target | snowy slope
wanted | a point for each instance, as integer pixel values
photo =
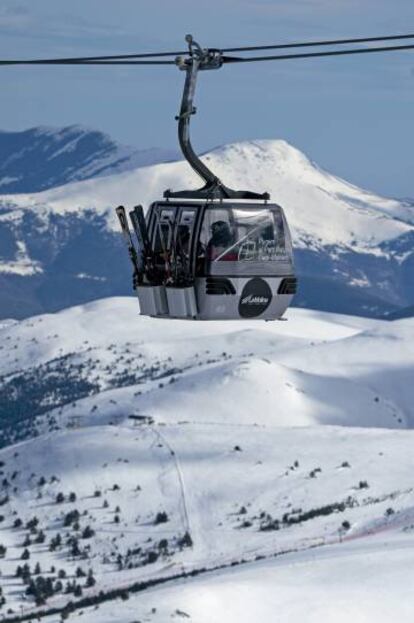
(367, 582)
(379, 357)
(246, 442)
(239, 492)
(354, 250)
(92, 361)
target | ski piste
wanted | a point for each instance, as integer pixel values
(136, 257)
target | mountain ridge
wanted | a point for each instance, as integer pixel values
(353, 249)
(43, 157)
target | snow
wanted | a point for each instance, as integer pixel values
(42, 338)
(23, 265)
(363, 240)
(201, 489)
(382, 358)
(23, 268)
(7, 179)
(334, 212)
(308, 370)
(255, 439)
(92, 277)
(192, 472)
(340, 584)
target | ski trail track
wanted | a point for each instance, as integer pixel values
(162, 439)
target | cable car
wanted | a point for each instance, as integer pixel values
(212, 253)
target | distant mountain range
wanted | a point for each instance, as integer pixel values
(43, 157)
(354, 250)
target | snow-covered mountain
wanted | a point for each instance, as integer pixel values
(70, 365)
(159, 450)
(354, 250)
(39, 158)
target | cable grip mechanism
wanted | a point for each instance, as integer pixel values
(200, 59)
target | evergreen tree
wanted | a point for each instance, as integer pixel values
(88, 533)
(90, 580)
(77, 591)
(40, 537)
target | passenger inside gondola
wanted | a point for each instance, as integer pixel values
(183, 240)
(221, 239)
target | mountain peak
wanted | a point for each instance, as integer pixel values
(276, 157)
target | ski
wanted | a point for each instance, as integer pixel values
(140, 227)
(134, 256)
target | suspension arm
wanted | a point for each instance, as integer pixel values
(200, 59)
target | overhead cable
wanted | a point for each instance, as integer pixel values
(136, 59)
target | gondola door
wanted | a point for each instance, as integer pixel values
(180, 290)
(162, 228)
(185, 246)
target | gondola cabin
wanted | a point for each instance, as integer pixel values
(218, 261)
(215, 261)
(212, 253)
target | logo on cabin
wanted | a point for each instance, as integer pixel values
(255, 298)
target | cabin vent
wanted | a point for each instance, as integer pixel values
(219, 285)
(288, 285)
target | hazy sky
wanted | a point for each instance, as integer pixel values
(352, 115)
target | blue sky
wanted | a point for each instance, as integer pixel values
(353, 116)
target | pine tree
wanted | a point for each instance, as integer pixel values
(40, 537)
(27, 542)
(88, 533)
(77, 591)
(75, 551)
(58, 586)
(90, 581)
(161, 517)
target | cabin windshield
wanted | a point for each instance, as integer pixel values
(244, 234)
